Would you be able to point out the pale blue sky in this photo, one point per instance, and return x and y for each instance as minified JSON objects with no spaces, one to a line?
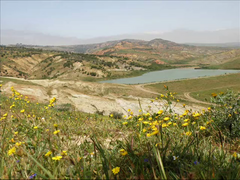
{"x":84,"y":19}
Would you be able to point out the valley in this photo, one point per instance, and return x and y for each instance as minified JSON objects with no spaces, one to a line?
{"x":72,"y":73}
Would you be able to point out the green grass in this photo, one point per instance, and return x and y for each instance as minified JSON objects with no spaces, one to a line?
{"x":91,"y":146}
{"x":235,"y":64}
{"x":200,"y":88}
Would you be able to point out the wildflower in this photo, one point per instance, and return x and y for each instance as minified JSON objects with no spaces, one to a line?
{"x":164,"y":125}
{"x":196,"y":162}
{"x":139,"y":110}
{"x":166,"y":118}
{"x":48,"y":153}
{"x":130,"y":117}
{"x":174,"y":124}
{"x":56,"y":158}
{"x":162,"y":96}
{"x":175,"y":158}
{"x":5,"y":115}
{"x":150,"y":118}
{"x":123,"y":152}
{"x":19,"y":144}
{"x":140,"y":119}
{"x":111,"y":115}
{"x":188,"y":133}
{"x":22,"y":111}
{"x":35,"y":127}
{"x":147,"y":114}
{"x":202,"y":128}
{"x":193,"y":123}
{"x":196,"y":115}
{"x":184,"y":105}
{"x":209,"y":108}
{"x":214,"y":95}
{"x":125,"y":123}
{"x":55,"y":125}
{"x":64,"y":153}
{"x":146,"y":160}
{"x":153,"y":133}
{"x":144,"y":130}
{"x":185,"y":124}
{"x":15,"y":133}
{"x":186,"y":120}
{"x":32,"y":176}
{"x":235,"y":155}
{"x":160,"y":112}
{"x":12,"y":151}
{"x":92,"y":153}
{"x":116,"y":170}
{"x":56,"y":132}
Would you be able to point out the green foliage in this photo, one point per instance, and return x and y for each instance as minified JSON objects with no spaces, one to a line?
{"x":49,"y":142}
{"x":227,"y":113}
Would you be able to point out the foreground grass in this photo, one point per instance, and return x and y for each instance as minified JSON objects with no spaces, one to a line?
{"x":201,"y":88}
{"x":41,"y":141}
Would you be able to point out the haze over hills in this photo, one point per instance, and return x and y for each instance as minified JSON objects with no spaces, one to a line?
{"x":178,"y":36}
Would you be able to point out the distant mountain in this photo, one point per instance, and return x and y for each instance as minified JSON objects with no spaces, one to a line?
{"x":231,"y":45}
{"x":180,"y":36}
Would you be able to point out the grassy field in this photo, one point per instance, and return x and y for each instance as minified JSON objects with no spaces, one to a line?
{"x":235,"y":64}
{"x":42,"y":141}
{"x":200,"y":88}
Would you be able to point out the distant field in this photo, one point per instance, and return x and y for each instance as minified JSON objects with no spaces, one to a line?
{"x":200,"y":89}
{"x":235,"y":64}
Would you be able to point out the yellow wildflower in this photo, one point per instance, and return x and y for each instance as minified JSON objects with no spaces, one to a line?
{"x":64,"y":153}
{"x":123,"y":152}
{"x":116,"y":170}
{"x":160,"y":112}
{"x":55,"y":125}
{"x":186,"y":120}
{"x":202,"y":128}
{"x":188,"y":133}
{"x":185,"y":124}
{"x":56,"y":158}
{"x":5,"y":115}
{"x":56,"y":132}
{"x":35,"y":127}
{"x":12,"y":151}
{"x":125,"y":123}
{"x":164,"y":125}
{"x":166,"y":118}
{"x":22,"y":111}
{"x":48,"y":153}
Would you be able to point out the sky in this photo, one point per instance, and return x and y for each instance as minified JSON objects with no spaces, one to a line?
{"x":90,"y":19}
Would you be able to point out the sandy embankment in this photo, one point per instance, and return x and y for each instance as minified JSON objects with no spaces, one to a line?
{"x":84,"y":96}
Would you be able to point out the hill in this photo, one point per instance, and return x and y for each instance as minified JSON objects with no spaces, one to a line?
{"x":157,"y":50}
{"x":40,"y":64}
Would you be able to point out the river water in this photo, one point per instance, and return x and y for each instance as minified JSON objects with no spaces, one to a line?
{"x":170,"y":75}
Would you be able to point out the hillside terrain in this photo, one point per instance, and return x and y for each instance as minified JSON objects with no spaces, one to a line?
{"x":41,"y":64}
{"x":156,"y":51}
